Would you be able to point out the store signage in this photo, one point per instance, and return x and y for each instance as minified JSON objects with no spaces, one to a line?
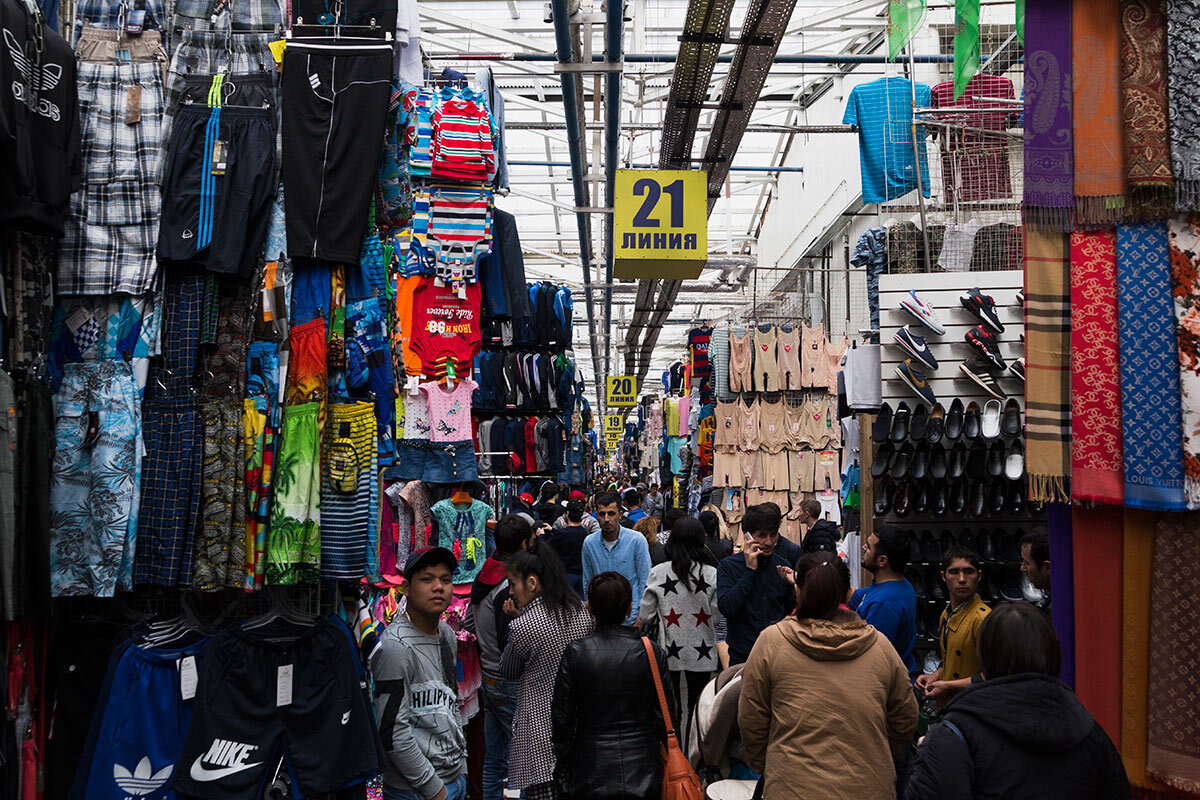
{"x":613,"y":428}
{"x":660,"y":223}
{"x":622,"y":391}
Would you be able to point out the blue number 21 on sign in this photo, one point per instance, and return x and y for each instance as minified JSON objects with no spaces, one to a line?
{"x":650,"y":188}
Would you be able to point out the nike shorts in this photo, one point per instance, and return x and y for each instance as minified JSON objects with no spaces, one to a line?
{"x":247,"y":711}
{"x":335,"y":102}
{"x":144,"y":725}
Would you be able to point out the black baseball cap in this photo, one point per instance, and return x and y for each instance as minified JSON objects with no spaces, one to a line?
{"x":428,"y":556}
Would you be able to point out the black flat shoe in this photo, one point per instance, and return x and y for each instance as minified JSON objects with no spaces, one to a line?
{"x":996,"y":457}
{"x":919,"y":423}
{"x":957,"y":462}
{"x":883,"y":424}
{"x":920,"y":462}
{"x":977,"y":461}
{"x":883,"y":498}
{"x":978,"y":500}
{"x":937,"y":424}
{"x":903,"y":461}
{"x":930,"y":552}
{"x":958,"y":497}
{"x":987,"y":548}
{"x":954,"y":420}
{"x":921,"y":501}
{"x":934,"y":583}
{"x":938,"y":464}
{"x":883,"y":460}
{"x":996,"y":497}
{"x":1016,"y":497}
{"x":900,"y":422}
{"x":916,"y":577}
{"x":1010,"y":420}
{"x":972,"y":422}
{"x":903,"y":502}
{"x":940,"y":500}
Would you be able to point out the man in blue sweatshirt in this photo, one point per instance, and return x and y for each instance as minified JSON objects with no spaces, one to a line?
{"x":889,"y":604}
{"x":751,"y":592}
{"x":615,"y":548}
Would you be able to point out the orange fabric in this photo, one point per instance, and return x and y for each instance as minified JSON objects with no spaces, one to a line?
{"x":404,"y":312}
{"x":1098,"y":583}
{"x":1099,"y":144}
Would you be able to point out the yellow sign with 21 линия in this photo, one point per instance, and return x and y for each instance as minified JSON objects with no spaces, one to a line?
{"x":660,"y":223}
{"x":622,"y":391}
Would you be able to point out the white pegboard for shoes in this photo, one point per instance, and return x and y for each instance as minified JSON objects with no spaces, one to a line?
{"x":942,"y":290}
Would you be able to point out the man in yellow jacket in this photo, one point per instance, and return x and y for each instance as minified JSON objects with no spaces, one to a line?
{"x":958,"y":631}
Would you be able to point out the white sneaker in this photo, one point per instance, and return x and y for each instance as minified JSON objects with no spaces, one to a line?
{"x":923,"y":312}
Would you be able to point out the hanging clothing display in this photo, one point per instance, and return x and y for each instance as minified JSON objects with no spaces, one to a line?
{"x":882,"y":111}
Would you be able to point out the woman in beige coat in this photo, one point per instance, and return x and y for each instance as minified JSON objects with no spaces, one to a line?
{"x":826,"y":705}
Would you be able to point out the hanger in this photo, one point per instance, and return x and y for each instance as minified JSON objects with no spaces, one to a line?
{"x":175,"y":631}
{"x":461,"y":496}
{"x":281,"y":608}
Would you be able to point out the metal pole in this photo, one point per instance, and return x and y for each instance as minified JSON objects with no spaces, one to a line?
{"x":614,"y":32}
{"x":670,"y":58}
{"x":650,"y":166}
{"x":912,"y":85}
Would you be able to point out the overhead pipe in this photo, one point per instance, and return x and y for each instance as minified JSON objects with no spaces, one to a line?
{"x":614,"y":34}
{"x":562,"y":43}
{"x":670,"y":58}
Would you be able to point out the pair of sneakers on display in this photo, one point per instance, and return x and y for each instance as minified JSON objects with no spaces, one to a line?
{"x":978,"y":367}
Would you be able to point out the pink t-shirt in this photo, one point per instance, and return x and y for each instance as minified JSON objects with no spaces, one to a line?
{"x":449,"y":412}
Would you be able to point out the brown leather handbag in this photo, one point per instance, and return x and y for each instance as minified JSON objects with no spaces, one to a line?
{"x":680,"y":781}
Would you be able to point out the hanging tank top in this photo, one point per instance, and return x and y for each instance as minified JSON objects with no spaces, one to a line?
{"x":748,"y":428}
{"x":740,"y":358}
{"x":772,"y":426}
{"x":834,"y":349}
{"x":766,"y":363}
{"x":812,"y":352}
{"x":728,"y":425}
{"x":790,"y":371}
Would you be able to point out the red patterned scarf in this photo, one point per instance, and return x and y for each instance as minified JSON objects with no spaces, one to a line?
{"x":1097,"y":463}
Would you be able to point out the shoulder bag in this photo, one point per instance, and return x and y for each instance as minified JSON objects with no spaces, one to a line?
{"x":680,"y":781}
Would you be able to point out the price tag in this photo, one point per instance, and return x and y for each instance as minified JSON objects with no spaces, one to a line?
{"x":136,"y":22}
{"x":277,"y":47}
{"x":188,"y":677}
{"x":133,"y":104}
{"x":78,"y":318}
{"x":220,"y":157}
{"x":283,"y":686}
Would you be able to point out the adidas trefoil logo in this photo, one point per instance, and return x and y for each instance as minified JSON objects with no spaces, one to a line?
{"x":143,"y":780}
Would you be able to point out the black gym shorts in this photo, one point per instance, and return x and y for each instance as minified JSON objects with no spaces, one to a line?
{"x":326,"y":731}
{"x":335,"y":101}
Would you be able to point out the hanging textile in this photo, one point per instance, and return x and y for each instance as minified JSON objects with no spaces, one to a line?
{"x":1049,"y":155}
{"x":1185,"y":272}
{"x":1183,"y":65}
{"x":1150,"y":403}
{"x":1097,"y":572}
{"x":1048,"y":366}
{"x":905,"y":17}
{"x":1062,"y":584}
{"x":1174,"y":712}
{"x":1099,"y":153}
{"x":966,"y":44}
{"x":1144,"y":106}
{"x":1097,"y":465}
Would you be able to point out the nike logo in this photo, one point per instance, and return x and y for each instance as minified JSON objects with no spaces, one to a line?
{"x":346,"y":718}
{"x":199,"y":772}
{"x":232,"y":755}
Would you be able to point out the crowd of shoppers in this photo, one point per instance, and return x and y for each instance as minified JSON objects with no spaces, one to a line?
{"x":829,"y":686}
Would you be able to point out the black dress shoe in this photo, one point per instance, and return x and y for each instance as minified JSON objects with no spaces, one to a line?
{"x":946,"y":541}
{"x":883,"y":498}
{"x":934,"y":583}
{"x":996,"y":497}
{"x":903,"y":461}
{"x":883,"y":460}
{"x":954,"y":420}
{"x":937,"y":424}
{"x":958,"y":497}
{"x":900,"y":422}
{"x":933,"y":619}
{"x":977,"y":461}
{"x":987,"y":589}
{"x":1016,"y":497}
{"x":903,"y":502}
{"x":914,"y":548}
{"x":978,"y":501}
{"x":1006,"y":548}
{"x":921,"y":501}
{"x":919,"y":423}
{"x":987,"y":547}
{"x":883,"y":424}
{"x":1010,"y":420}
{"x":967,"y":540}
{"x":930,"y":554}
{"x":995,"y":459}
{"x":1010,"y":585}
{"x":916,"y":577}
{"x":957,"y":462}
{"x":922,"y":632}
{"x":920,"y":462}
{"x":972,"y":422}
{"x":938,"y":464}
{"x":940,"y":500}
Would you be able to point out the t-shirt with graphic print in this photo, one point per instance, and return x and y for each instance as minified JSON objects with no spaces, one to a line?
{"x":449,"y":412}
{"x":416,"y":417}
{"x":462,"y":529}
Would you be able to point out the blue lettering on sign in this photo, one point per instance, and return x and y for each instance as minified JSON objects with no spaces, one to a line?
{"x":689,"y":241}
{"x":659,"y":241}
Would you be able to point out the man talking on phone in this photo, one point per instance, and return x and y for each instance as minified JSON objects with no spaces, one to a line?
{"x":751,"y":591}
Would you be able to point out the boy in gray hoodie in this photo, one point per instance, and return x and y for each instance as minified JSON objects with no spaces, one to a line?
{"x":416,"y":688}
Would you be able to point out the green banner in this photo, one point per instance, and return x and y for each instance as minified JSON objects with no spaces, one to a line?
{"x":905,"y":17}
{"x":966,"y":43}
{"x":1021,"y":21}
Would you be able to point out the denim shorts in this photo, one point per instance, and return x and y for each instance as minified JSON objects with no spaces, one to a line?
{"x":451,"y":462}
{"x":411,"y":456}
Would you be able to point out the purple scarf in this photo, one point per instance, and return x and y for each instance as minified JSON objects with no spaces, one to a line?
{"x":1062,"y":584}
{"x":1049,"y":155}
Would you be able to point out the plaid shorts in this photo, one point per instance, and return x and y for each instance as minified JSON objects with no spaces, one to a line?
{"x":112,"y":226}
{"x":28,"y":299}
{"x":101,"y":45}
{"x":202,"y":52}
{"x":166,"y":541}
{"x":109,"y":14}
{"x":221,"y":542}
{"x":245,"y":15}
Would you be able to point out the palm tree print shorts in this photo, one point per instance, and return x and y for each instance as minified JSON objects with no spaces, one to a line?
{"x":294,"y":536}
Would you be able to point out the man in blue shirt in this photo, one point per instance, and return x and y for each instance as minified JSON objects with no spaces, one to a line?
{"x":616,"y":549}
{"x":889,"y":604}
{"x":751,"y":592}
{"x":633,"y":505}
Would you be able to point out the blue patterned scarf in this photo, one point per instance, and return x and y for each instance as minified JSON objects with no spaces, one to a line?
{"x":1152,"y":414}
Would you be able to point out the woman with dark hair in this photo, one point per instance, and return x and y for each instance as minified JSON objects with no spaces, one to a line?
{"x":716,"y":535}
{"x":826,"y":706}
{"x":607,"y":727}
{"x":548,"y":616}
{"x":1019,"y":733}
{"x":682,"y":594}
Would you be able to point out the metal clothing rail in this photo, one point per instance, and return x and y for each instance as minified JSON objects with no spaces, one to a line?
{"x":670,"y":58}
{"x":648,"y":166}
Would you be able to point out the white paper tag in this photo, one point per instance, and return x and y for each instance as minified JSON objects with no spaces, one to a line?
{"x":78,"y":318}
{"x":283,"y":686}
{"x":187,"y":677}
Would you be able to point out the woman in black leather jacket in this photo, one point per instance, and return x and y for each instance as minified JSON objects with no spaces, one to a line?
{"x":608,"y":728}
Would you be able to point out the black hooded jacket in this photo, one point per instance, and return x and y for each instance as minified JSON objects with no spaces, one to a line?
{"x":1024,"y":736}
{"x":823,"y":536}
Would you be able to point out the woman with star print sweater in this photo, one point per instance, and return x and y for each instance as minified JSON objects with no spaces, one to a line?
{"x":682,"y":593}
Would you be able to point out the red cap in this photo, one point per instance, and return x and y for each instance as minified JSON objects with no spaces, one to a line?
{"x":577,"y":495}
{"x":526,"y":496}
